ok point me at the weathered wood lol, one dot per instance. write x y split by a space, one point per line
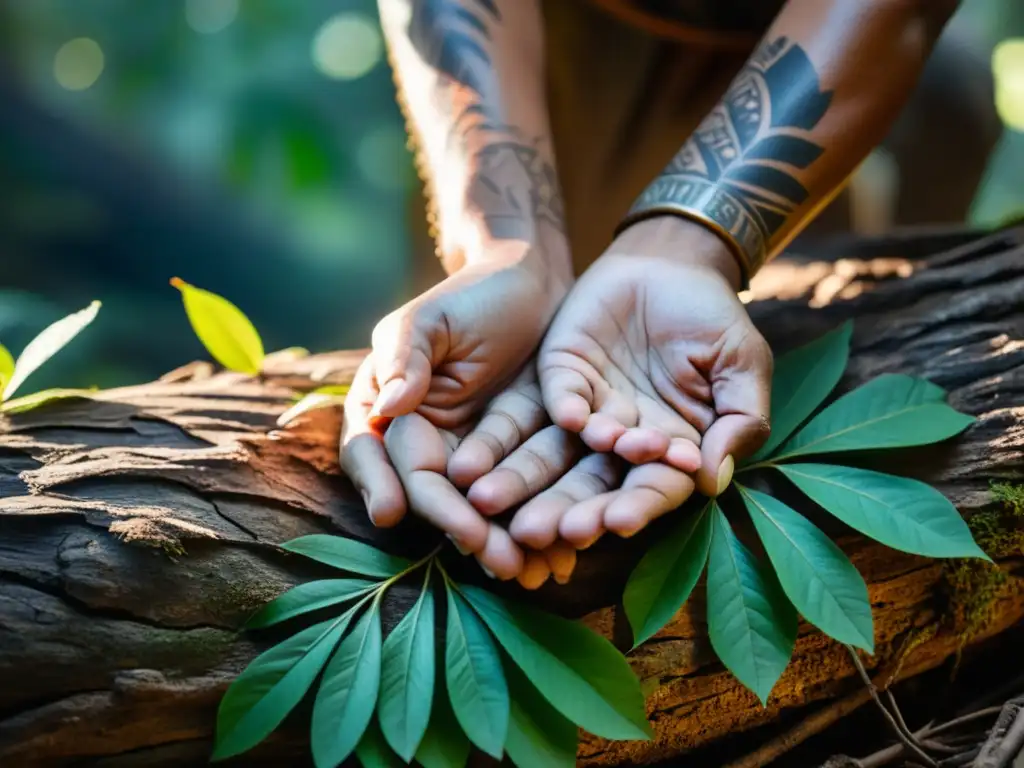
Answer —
138 530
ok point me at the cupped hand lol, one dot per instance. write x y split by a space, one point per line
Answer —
444 355
654 337
508 456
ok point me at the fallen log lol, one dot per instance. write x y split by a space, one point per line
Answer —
139 529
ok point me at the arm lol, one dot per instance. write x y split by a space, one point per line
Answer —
470 75
470 78
820 91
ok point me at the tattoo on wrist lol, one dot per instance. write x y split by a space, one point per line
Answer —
513 186
740 171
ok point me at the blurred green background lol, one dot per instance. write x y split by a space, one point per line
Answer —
253 147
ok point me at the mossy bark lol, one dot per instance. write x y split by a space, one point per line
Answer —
139 529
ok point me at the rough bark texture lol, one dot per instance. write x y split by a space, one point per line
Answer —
138 530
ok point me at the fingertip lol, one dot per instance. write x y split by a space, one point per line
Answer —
582 525
534 530
569 411
536 571
624 521
386 509
732 436
486 495
684 455
602 432
500 556
561 557
466 465
640 445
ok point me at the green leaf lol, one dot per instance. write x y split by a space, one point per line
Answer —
307 597
444 745
891 411
348 555
223 329
815 574
578 671
407 677
41 398
270 687
6 367
901 513
751 623
538 735
47 344
348 693
476 683
311 402
801 381
373 751
663 580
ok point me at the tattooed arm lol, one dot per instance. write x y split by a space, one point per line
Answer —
470 78
653 334
470 75
820 91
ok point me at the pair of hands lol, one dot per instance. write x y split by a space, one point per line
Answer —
650 378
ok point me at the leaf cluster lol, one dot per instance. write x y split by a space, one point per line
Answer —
752 603
507 678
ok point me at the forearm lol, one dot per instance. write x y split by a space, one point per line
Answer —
818 94
470 75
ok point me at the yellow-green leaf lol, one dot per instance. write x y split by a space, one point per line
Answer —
47 344
311 402
223 328
6 367
36 399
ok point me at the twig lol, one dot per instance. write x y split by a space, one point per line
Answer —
906 738
1000 748
810 726
964 720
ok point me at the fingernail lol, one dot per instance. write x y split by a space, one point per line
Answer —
366 501
725 474
459 547
388 396
561 578
487 571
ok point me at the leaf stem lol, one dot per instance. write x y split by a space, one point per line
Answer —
767 463
908 739
426 560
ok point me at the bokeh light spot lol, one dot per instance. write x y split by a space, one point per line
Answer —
347 46
78 64
210 16
1008 73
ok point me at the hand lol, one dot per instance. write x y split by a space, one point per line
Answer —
443 355
507 457
654 335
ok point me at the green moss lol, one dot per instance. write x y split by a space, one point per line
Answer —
972 586
241 598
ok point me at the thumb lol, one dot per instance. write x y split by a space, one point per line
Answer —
742 399
403 353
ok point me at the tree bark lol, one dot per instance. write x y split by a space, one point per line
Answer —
139 529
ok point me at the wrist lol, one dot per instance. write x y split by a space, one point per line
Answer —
540 248
682 241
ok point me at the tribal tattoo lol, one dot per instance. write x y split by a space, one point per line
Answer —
513 186
741 168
